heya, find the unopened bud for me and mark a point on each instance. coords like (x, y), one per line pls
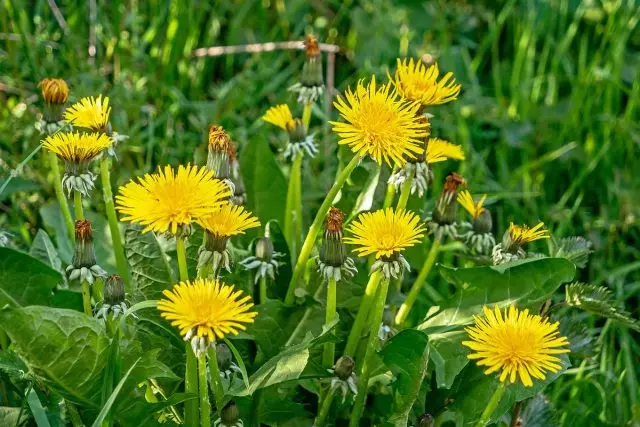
(344, 367)
(55, 93)
(230, 414)
(426, 420)
(445, 212)
(264, 249)
(114, 290)
(333, 251)
(483, 223)
(224, 356)
(297, 131)
(84, 254)
(312, 69)
(218, 159)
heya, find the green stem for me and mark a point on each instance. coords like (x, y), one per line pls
(62, 200)
(205, 406)
(405, 308)
(306, 115)
(391, 192)
(492, 405)
(376, 320)
(293, 210)
(263, 289)
(315, 228)
(118, 248)
(330, 348)
(324, 410)
(77, 205)
(214, 372)
(191, 386)
(363, 313)
(86, 298)
(182, 258)
(404, 193)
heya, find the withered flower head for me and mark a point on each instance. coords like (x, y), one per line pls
(335, 219)
(311, 47)
(218, 138)
(83, 230)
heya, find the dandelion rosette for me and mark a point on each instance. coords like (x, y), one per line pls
(417, 82)
(386, 233)
(478, 235)
(520, 345)
(311, 84)
(333, 261)
(299, 142)
(205, 310)
(510, 249)
(90, 113)
(77, 150)
(419, 169)
(170, 201)
(379, 124)
(229, 220)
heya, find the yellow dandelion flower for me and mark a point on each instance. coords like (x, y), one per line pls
(167, 200)
(518, 343)
(379, 124)
(385, 232)
(207, 308)
(54, 91)
(521, 234)
(77, 147)
(229, 220)
(439, 150)
(416, 82)
(466, 201)
(90, 112)
(280, 115)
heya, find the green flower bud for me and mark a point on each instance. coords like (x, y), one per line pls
(224, 356)
(426, 420)
(264, 249)
(483, 224)
(114, 293)
(230, 414)
(84, 254)
(344, 367)
(312, 68)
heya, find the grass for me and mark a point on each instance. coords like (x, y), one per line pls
(549, 115)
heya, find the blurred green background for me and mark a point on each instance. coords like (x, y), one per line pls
(548, 115)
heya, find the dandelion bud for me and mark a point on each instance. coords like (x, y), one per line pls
(224, 356)
(230, 415)
(83, 265)
(333, 261)
(55, 93)
(114, 290)
(264, 260)
(264, 249)
(426, 420)
(445, 212)
(311, 83)
(344, 367)
(483, 223)
(218, 159)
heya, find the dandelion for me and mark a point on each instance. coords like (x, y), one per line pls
(311, 84)
(518, 344)
(443, 218)
(54, 91)
(206, 310)
(299, 142)
(219, 157)
(169, 200)
(90, 113)
(478, 237)
(510, 249)
(114, 303)
(415, 81)
(77, 150)
(333, 261)
(379, 124)
(225, 222)
(264, 260)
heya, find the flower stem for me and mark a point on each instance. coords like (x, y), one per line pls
(214, 372)
(391, 192)
(404, 193)
(405, 308)
(182, 258)
(293, 210)
(492, 405)
(330, 348)
(315, 228)
(376, 320)
(306, 115)
(77, 205)
(86, 298)
(62, 200)
(324, 410)
(263, 289)
(363, 313)
(205, 406)
(116, 238)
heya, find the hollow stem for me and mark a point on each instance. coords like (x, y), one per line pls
(306, 115)
(363, 313)
(376, 320)
(391, 192)
(77, 205)
(116, 238)
(205, 406)
(263, 289)
(293, 210)
(492, 405)
(62, 200)
(324, 410)
(404, 193)
(330, 348)
(86, 298)
(214, 372)
(405, 308)
(315, 228)
(182, 258)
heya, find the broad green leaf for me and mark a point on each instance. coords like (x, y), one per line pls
(599, 301)
(10, 416)
(150, 270)
(279, 406)
(66, 349)
(25, 280)
(37, 410)
(67, 298)
(270, 329)
(407, 355)
(526, 282)
(18, 185)
(264, 181)
(54, 223)
(448, 356)
(109, 403)
(43, 249)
